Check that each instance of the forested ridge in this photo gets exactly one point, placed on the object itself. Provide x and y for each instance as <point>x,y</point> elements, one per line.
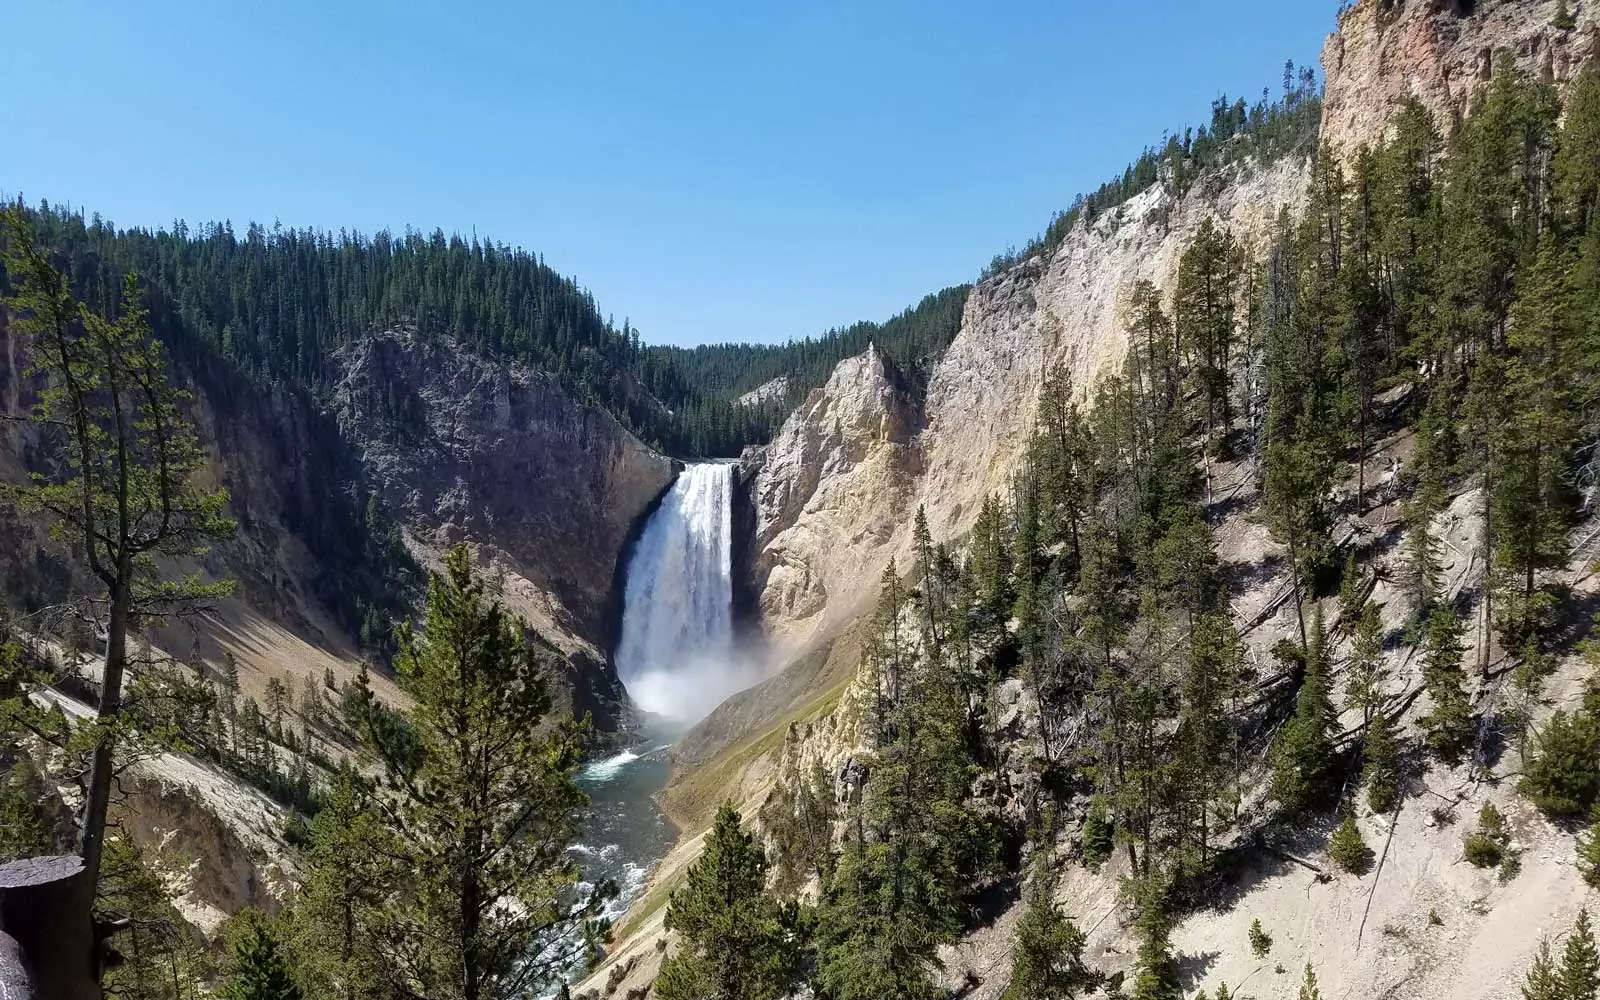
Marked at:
<point>1444,289</point>
<point>278,302</point>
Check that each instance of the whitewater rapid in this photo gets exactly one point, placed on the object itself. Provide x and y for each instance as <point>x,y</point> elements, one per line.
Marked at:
<point>677,656</point>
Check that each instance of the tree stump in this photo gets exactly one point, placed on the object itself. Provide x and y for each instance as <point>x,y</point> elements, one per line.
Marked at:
<point>47,935</point>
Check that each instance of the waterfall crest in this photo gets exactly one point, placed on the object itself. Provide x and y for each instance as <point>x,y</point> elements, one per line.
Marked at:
<point>676,656</point>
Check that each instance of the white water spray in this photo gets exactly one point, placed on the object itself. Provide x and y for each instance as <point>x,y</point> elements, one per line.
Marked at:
<point>677,656</point>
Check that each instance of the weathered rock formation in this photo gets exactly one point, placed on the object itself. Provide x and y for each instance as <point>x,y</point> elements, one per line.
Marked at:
<point>1440,53</point>
<point>464,448</point>
<point>458,447</point>
<point>830,491</point>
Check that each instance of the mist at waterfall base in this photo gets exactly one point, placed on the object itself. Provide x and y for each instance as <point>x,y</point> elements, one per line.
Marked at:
<point>677,656</point>
<point>678,659</point>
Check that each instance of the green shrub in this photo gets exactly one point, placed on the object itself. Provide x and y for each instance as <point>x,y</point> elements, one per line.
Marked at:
<point>1347,848</point>
<point>1562,775</point>
<point>1485,847</point>
<point>1260,940</point>
<point>1589,850</point>
<point>1098,834</point>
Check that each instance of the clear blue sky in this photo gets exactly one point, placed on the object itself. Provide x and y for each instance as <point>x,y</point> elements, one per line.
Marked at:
<point>727,170</point>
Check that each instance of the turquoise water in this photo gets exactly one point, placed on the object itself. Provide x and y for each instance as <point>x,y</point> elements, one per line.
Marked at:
<point>626,834</point>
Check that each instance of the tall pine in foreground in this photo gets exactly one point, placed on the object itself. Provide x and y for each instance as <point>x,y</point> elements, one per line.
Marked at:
<point>1047,953</point>
<point>483,809</point>
<point>732,944</point>
<point>125,494</point>
<point>260,970</point>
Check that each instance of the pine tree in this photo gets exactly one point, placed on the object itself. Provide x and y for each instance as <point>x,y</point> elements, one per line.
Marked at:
<point>126,493</point>
<point>277,700</point>
<point>338,913</point>
<point>230,685</point>
<point>1364,688</point>
<point>1562,774</point>
<point>260,970</point>
<point>732,944</point>
<point>1544,980</point>
<point>1380,771</point>
<point>1047,950</point>
<point>1534,505</point>
<point>1203,315</point>
<point>159,955</point>
<point>897,891</point>
<point>1302,754</point>
<point>1260,940</point>
<point>1580,961</point>
<point>1448,724</point>
<point>1155,968</point>
<point>483,807</point>
<point>1589,850</point>
<point>1348,849</point>
<point>23,830</point>
<point>1308,985</point>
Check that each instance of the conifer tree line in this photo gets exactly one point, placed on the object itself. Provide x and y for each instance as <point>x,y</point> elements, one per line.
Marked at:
<point>277,303</point>
<point>1260,133</point>
<point>1448,288</point>
<point>436,861</point>
<point>1439,287</point>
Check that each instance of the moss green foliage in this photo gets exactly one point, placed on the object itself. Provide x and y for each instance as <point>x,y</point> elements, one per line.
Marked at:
<point>1155,969</point>
<point>1308,985</point>
<point>1047,950</point>
<point>1265,131</point>
<point>798,819</point>
<point>1576,976</point>
<point>162,959</point>
<point>1260,940</point>
<point>1448,725</point>
<point>1563,19</point>
<point>125,493</point>
<point>1302,755</point>
<point>732,941</point>
<point>24,829</point>
<point>1589,849</point>
<point>337,924</point>
<point>1562,773</point>
<point>1098,834</point>
<point>1580,961</point>
<point>481,809</point>
<point>1348,849</point>
<point>912,849</point>
<point>1380,770</point>
<point>260,970</point>
<point>1485,847</point>
<point>1543,980</point>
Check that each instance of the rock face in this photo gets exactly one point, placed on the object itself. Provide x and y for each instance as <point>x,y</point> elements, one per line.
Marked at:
<point>829,492</point>
<point>836,490</point>
<point>463,448</point>
<point>1441,52</point>
<point>460,448</point>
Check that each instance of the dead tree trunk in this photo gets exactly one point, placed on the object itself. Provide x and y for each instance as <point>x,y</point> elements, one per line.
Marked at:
<point>47,912</point>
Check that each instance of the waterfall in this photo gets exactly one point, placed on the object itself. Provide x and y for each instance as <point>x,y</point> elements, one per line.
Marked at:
<point>676,656</point>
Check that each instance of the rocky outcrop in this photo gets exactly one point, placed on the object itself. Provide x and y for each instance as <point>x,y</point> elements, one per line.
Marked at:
<point>829,490</point>
<point>463,448</point>
<point>836,490</point>
<point>550,491</point>
<point>1440,53</point>
<point>833,493</point>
